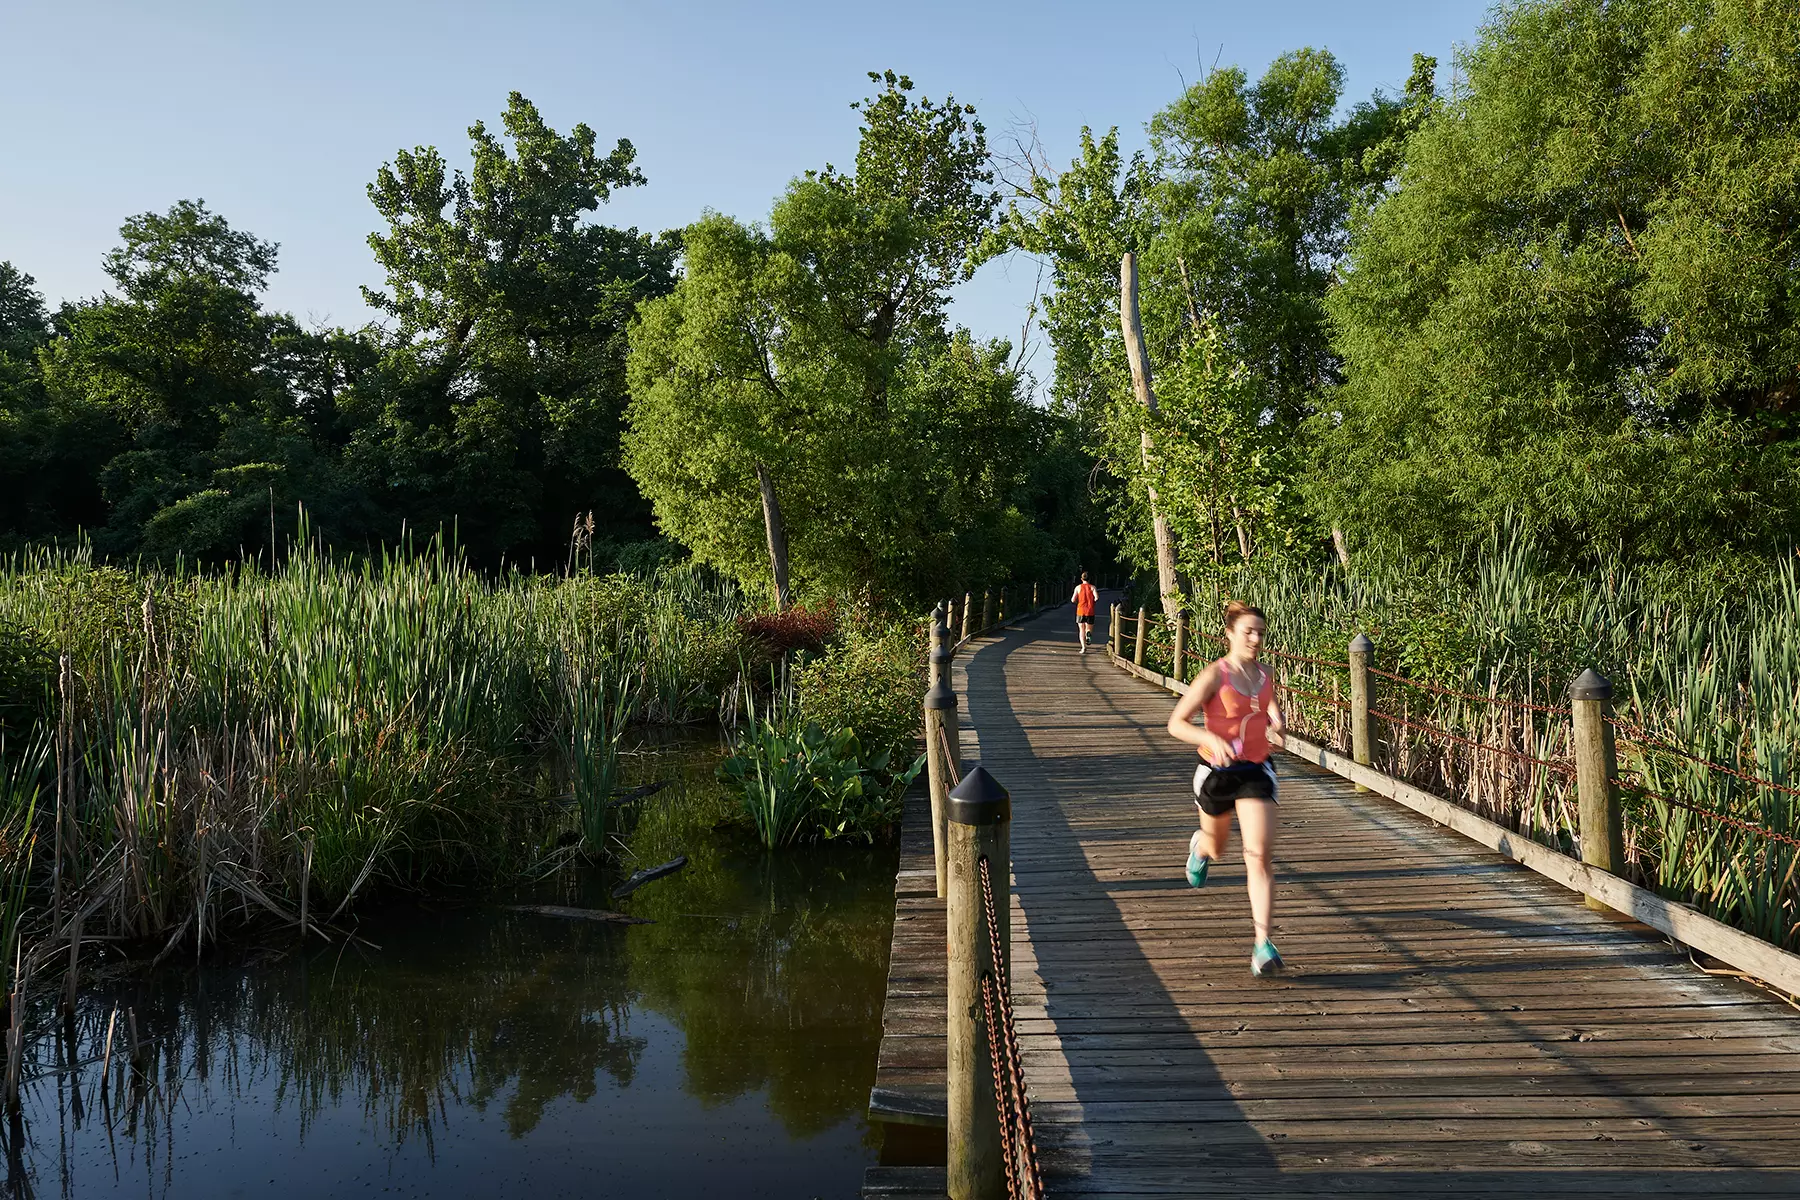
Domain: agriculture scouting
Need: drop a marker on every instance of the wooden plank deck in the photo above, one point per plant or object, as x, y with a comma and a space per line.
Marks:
1449, 1024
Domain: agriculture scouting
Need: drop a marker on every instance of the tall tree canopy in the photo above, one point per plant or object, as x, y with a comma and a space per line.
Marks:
1238, 219
799, 396
1581, 304
177, 415
499, 395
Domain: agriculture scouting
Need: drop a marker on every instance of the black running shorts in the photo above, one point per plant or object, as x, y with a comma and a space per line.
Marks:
1218, 789
1086, 619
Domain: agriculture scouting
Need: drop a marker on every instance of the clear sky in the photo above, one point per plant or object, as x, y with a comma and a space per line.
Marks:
278, 115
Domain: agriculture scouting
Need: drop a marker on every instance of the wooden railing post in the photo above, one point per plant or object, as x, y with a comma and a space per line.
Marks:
943, 743
1596, 773
1116, 633
968, 607
1037, 596
1362, 651
987, 609
1181, 633
1137, 643
980, 825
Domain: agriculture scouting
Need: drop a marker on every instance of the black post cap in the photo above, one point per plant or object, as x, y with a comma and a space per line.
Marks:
940, 696
1360, 644
980, 800
1590, 685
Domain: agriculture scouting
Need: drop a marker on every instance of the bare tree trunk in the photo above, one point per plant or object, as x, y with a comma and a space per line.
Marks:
772, 525
1340, 545
1167, 577
1243, 529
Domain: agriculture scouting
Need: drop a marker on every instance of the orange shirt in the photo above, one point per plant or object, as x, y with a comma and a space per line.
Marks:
1085, 595
1242, 720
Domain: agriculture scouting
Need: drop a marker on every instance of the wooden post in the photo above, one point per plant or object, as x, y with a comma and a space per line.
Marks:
987, 609
1596, 770
1037, 596
980, 825
1181, 634
968, 607
1117, 632
1362, 650
940, 728
1137, 643
1000, 610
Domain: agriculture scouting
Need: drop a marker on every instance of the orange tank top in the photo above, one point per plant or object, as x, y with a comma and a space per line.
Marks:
1085, 595
1242, 720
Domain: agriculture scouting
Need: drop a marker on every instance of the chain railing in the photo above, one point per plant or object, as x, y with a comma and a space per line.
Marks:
1024, 1179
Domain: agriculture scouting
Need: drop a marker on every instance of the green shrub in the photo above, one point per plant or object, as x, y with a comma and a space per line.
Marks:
798, 783
872, 680
27, 681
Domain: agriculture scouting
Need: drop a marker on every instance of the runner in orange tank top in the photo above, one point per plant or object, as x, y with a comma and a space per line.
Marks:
1085, 599
1242, 722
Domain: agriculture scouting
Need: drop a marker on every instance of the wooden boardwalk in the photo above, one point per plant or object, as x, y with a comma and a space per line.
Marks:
1450, 1023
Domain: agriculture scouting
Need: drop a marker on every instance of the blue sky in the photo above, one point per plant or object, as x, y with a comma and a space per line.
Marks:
279, 115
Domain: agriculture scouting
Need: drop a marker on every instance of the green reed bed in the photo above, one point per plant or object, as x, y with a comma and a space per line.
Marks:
1706, 676
211, 747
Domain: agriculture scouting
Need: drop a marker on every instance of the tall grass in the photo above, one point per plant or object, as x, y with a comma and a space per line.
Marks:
1703, 668
250, 742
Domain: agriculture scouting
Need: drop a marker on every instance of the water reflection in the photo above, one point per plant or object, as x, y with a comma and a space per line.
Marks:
465, 1049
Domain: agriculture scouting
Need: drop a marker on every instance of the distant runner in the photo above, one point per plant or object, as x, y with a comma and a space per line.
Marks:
1242, 722
1085, 598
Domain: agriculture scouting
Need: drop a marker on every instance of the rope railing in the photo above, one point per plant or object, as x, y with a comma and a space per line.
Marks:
1024, 1178
950, 764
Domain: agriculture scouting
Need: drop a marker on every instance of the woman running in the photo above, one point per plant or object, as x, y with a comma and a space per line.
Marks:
1243, 721
1084, 599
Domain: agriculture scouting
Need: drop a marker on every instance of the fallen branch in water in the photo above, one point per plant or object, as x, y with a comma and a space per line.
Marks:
640, 878
633, 794
578, 914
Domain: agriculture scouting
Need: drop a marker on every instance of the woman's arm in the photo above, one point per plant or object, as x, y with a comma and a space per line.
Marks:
1277, 725
1213, 748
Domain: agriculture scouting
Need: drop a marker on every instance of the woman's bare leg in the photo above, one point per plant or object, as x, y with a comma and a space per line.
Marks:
1256, 821
1213, 836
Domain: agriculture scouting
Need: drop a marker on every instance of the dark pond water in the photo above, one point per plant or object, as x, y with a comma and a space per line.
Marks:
463, 1049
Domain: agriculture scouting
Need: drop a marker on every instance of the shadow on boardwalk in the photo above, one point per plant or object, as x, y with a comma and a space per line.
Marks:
1451, 1023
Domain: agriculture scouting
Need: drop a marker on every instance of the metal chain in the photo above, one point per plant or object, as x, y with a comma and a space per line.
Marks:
1009, 1152
1635, 735
1727, 818
1306, 695
1561, 768
1503, 701
1033, 1177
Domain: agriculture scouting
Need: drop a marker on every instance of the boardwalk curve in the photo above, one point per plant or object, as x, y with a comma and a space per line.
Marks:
1450, 1024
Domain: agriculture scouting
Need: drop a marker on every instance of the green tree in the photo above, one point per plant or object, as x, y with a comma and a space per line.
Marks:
800, 397
170, 410
1580, 303
497, 402
1238, 221
49, 454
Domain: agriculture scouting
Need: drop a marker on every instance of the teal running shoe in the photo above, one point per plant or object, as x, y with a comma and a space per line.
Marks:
1196, 868
1266, 960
